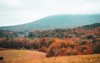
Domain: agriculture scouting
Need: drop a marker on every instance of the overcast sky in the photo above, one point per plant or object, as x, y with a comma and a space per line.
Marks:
14, 12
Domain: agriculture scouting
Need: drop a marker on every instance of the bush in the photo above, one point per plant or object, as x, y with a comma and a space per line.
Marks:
53, 50
74, 52
62, 51
68, 51
83, 49
43, 49
50, 52
97, 49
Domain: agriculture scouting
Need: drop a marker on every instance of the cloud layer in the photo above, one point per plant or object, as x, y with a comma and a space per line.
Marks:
13, 12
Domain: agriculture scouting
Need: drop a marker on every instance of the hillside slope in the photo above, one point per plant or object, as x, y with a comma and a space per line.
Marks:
92, 25
57, 21
20, 56
25, 56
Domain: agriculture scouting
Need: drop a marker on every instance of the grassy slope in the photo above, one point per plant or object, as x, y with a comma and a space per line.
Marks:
24, 56
95, 58
20, 56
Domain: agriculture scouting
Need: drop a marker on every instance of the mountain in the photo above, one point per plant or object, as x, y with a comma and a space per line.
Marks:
56, 21
92, 26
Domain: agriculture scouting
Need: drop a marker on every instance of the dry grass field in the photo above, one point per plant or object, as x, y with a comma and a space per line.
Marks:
26, 56
20, 56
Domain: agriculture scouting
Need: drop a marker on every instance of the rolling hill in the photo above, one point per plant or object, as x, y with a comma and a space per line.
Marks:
56, 21
92, 25
27, 56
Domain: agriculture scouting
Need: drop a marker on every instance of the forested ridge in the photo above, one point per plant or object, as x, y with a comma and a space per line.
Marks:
55, 42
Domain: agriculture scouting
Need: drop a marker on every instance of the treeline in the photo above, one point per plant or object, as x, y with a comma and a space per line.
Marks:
8, 34
88, 31
57, 42
53, 46
66, 33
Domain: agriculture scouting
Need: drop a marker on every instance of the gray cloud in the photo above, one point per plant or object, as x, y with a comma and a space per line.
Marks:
23, 11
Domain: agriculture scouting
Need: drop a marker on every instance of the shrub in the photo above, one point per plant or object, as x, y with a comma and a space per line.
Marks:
43, 49
74, 52
50, 52
68, 51
53, 49
97, 48
62, 51
83, 49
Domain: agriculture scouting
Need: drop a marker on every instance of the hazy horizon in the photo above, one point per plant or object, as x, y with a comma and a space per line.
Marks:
15, 12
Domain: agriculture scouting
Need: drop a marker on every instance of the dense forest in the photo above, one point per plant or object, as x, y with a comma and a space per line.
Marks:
55, 42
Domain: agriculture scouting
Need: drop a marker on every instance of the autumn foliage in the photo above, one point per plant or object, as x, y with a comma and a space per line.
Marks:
58, 42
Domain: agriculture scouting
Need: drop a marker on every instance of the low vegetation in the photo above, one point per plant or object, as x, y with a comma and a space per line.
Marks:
57, 42
77, 45
19, 56
26, 56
